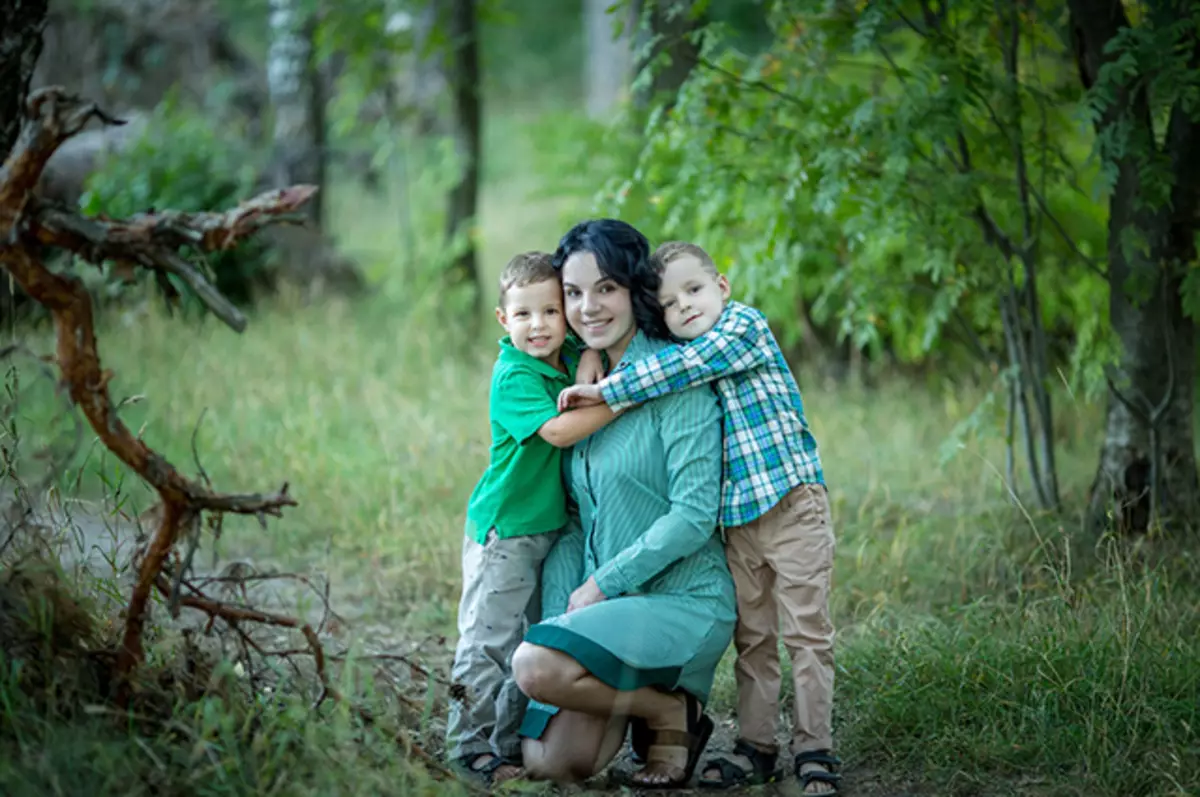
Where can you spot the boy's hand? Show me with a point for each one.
(586, 595)
(591, 368)
(579, 396)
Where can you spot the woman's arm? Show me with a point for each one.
(690, 426)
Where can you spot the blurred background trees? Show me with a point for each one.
(901, 185)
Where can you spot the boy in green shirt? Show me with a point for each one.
(515, 511)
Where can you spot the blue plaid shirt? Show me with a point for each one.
(769, 449)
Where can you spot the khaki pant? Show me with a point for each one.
(782, 565)
(500, 598)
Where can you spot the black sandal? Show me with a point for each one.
(640, 739)
(466, 764)
(762, 768)
(825, 759)
(694, 739)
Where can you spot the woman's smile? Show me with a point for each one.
(598, 307)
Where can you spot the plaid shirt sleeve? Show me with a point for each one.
(730, 347)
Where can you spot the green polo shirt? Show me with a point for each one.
(521, 492)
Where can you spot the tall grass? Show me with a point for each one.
(980, 647)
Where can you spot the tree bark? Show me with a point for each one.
(464, 197)
(672, 21)
(1147, 471)
(21, 24)
(609, 56)
(297, 101)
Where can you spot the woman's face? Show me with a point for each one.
(598, 309)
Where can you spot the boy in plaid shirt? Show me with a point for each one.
(774, 510)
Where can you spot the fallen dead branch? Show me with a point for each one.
(235, 617)
(149, 240)
(153, 240)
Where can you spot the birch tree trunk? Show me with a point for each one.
(609, 56)
(297, 101)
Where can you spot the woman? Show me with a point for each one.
(638, 597)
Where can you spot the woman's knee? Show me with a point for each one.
(561, 769)
(573, 748)
(537, 672)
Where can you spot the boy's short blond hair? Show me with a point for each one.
(673, 250)
(527, 268)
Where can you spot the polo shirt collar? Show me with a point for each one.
(514, 356)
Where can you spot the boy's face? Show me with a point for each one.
(533, 317)
(692, 297)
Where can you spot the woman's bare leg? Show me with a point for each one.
(552, 677)
(555, 678)
(574, 747)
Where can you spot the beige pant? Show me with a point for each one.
(782, 565)
(500, 598)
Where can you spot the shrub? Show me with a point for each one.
(183, 162)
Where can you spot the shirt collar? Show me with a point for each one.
(511, 354)
(640, 346)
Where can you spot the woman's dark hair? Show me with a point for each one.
(623, 255)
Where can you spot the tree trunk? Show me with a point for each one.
(607, 66)
(297, 101)
(21, 24)
(1147, 472)
(464, 198)
(672, 21)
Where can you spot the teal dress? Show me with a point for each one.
(646, 493)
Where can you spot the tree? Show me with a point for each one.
(1142, 76)
(607, 66)
(666, 51)
(464, 197)
(900, 172)
(297, 99)
(20, 46)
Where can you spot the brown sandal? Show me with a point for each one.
(694, 739)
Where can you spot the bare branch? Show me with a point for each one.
(234, 616)
(53, 116)
(1091, 264)
(151, 239)
(752, 84)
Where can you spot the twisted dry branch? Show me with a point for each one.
(51, 117)
(234, 616)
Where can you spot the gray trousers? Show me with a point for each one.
(500, 599)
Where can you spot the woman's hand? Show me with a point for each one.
(586, 595)
(591, 368)
(579, 396)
